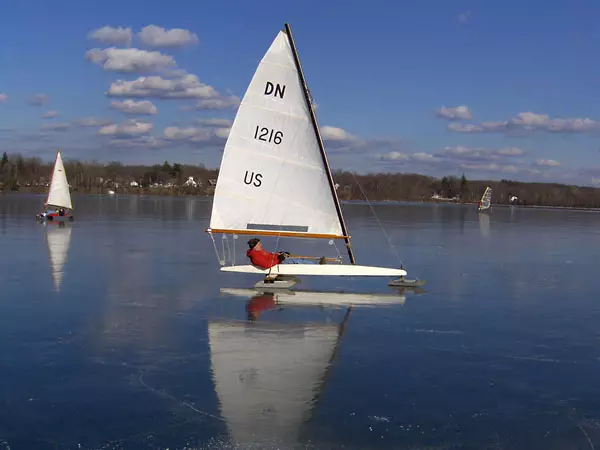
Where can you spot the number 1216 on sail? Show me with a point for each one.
(267, 135)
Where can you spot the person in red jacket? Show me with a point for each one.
(262, 258)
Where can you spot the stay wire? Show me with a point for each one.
(391, 244)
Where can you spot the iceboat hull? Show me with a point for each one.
(339, 270)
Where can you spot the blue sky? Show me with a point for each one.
(492, 89)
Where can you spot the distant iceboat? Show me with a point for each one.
(486, 200)
(58, 204)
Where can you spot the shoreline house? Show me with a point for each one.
(438, 198)
(190, 182)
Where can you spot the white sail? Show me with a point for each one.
(267, 376)
(59, 195)
(273, 177)
(58, 239)
(486, 199)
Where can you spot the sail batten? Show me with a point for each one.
(269, 227)
(58, 194)
(273, 178)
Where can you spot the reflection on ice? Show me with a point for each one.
(315, 298)
(268, 375)
(58, 238)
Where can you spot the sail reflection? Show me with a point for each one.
(58, 238)
(268, 375)
(484, 224)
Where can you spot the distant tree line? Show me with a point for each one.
(414, 187)
(18, 173)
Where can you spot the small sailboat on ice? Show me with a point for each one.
(486, 200)
(275, 179)
(58, 204)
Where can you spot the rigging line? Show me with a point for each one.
(223, 238)
(337, 250)
(228, 249)
(235, 238)
(392, 246)
(221, 262)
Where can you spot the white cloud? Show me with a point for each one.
(459, 158)
(3, 97)
(155, 36)
(93, 122)
(460, 150)
(547, 163)
(38, 100)
(394, 156)
(461, 112)
(215, 122)
(464, 16)
(194, 134)
(509, 151)
(56, 126)
(186, 87)
(218, 102)
(50, 114)
(128, 128)
(112, 35)
(529, 121)
(131, 60)
(135, 108)
(426, 158)
(144, 142)
(222, 133)
(329, 133)
(172, 136)
(179, 133)
(491, 167)
(465, 128)
(463, 152)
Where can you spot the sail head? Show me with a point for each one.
(273, 178)
(59, 195)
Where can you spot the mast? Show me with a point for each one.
(338, 208)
